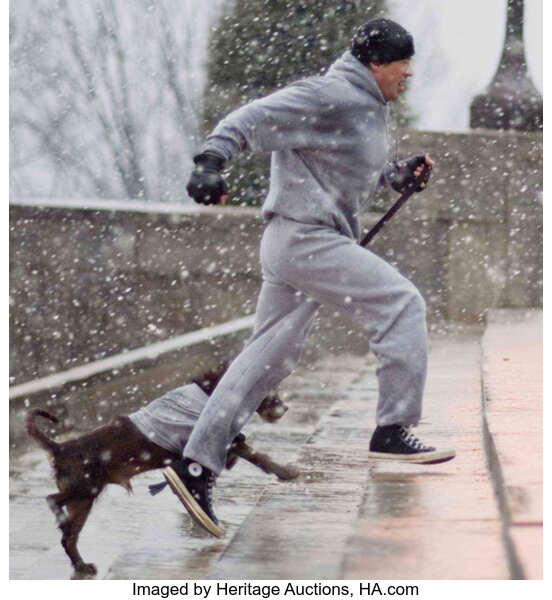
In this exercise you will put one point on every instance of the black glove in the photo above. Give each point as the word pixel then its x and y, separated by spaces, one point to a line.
pixel 206 184
pixel 404 181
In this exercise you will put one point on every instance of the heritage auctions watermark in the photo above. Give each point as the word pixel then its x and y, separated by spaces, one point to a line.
pixel 223 590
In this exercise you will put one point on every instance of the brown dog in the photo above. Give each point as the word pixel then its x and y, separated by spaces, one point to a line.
pixel 117 452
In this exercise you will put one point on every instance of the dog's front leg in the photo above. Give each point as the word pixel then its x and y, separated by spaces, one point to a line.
pixel 263 461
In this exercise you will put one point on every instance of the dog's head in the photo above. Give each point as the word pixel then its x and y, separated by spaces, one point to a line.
pixel 271 408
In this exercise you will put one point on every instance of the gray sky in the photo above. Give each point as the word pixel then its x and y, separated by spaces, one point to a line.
pixel 458 45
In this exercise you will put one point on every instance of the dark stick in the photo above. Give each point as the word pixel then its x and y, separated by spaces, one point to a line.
pixel 376 228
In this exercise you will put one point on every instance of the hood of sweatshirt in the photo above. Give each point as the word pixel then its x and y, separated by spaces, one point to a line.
pixel 357 74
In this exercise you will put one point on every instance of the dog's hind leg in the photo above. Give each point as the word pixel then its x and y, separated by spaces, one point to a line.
pixel 71 525
pixel 77 511
pixel 56 503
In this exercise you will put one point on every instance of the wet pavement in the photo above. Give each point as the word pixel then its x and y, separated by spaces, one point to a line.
pixel 513 392
pixel 139 537
pixel 345 517
pixel 435 521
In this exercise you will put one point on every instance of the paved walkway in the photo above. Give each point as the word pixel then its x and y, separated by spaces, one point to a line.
pixel 435 521
pixel 345 518
pixel 140 537
pixel 512 384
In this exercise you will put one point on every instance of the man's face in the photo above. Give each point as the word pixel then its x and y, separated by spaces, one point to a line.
pixel 391 77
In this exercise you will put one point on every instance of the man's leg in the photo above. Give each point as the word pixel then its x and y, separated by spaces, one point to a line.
pixel 337 272
pixel 284 318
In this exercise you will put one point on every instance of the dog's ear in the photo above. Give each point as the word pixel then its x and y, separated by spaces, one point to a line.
pixel 208 381
pixel 219 372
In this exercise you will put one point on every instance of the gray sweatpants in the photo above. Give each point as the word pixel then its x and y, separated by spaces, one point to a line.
pixel 304 266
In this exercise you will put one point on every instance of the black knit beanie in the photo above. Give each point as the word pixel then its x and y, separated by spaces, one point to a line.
pixel 382 41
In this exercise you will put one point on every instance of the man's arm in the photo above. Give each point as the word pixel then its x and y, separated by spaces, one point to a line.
pixel 281 120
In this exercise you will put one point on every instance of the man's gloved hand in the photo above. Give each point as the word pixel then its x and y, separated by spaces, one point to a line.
pixel 412 175
pixel 206 185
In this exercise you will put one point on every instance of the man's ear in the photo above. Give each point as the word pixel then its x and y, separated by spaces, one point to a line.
pixel 375 67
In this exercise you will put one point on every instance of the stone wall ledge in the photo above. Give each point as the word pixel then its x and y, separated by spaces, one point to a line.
pixel 92 278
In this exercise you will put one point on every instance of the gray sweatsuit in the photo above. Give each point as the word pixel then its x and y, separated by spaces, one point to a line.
pixel 329 143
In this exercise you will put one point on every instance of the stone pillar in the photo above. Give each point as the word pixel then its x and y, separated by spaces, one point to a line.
pixel 511 101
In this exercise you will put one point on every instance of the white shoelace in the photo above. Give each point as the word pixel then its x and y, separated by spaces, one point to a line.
pixel 411 440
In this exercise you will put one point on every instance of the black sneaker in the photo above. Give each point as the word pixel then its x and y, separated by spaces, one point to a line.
pixel 193 485
pixel 395 442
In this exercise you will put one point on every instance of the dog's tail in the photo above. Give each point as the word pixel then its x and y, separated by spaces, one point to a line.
pixel 41 438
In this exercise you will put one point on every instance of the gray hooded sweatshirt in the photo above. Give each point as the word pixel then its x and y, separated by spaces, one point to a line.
pixel 329 143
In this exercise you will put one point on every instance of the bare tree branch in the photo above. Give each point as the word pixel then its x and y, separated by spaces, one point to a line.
pixel 105 97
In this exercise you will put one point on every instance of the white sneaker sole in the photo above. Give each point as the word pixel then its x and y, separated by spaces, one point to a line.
pixel 191 504
pixel 421 458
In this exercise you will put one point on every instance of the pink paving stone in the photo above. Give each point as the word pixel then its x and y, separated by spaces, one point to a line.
pixel 528 542
pixel 513 385
pixel 427 550
pixel 435 521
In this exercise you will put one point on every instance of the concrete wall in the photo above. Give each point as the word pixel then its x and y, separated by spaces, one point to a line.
pixel 88 283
